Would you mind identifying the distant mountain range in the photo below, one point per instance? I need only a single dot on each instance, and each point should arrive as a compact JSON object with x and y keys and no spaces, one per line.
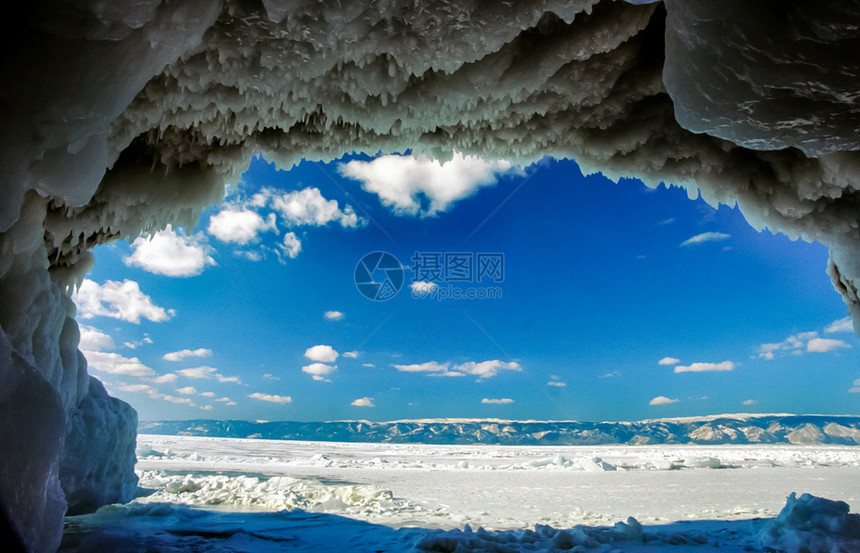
{"x":711,"y":430}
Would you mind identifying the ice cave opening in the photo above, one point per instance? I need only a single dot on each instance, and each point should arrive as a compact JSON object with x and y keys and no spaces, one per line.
{"x":123,"y":118}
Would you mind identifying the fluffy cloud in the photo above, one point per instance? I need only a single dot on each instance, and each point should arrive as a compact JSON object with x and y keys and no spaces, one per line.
{"x":171,"y":254}
{"x":484,"y":369}
{"x":662,"y":400}
{"x":556,"y":384}
{"x":114,"y":363}
{"x":137,"y":343}
{"x":797,"y":344}
{"x":290,"y":245}
{"x":363,"y":402}
{"x":406,"y":184}
{"x":668,"y":361}
{"x":824,"y":345}
{"x":118,"y":300}
{"x":166,"y":378}
{"x":501,"y":401}
{"x":179,"y":400}
{"x":350,"y":354}
{"x":705,"y":237}
{"x":187,"y":391}
{"x":705,"y":367}
{"x":333,"y":315}
{"x":180,"y":355}
{"x":423,"y":287}
{"x":207,"y":394}
{"x":271,"y":398}
{"x":321,"y":353}
{"x":307,"y":207}
{"x":198,"y":372}
{"x":428,"y":367}
{"x":749,"y":402}
{"x":319,"y":371}
{"x":240,"y":226}
{"x":137,"y":388}
{"x":93,"y":339}
{"x":842,"y":325}
{"x":855,"y":389}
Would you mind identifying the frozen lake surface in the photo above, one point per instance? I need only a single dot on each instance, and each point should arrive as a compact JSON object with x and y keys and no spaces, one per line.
{"x":229,"y":494}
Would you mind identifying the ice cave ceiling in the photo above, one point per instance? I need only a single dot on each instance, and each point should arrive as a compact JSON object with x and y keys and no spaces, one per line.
{"x":122,"y":117}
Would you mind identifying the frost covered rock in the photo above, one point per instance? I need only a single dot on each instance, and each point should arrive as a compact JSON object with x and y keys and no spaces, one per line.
{"x":121,"y":118}
{"x":99,"y":455}
{"x":812,"y":525}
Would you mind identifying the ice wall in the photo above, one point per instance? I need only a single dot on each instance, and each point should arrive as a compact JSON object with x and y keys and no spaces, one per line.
{"x":122,"y":117}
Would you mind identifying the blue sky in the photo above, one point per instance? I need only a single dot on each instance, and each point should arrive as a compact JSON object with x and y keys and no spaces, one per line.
{"x":617,"y":302}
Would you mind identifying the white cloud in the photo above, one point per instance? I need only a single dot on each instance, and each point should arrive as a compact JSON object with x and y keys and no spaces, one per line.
{"x":250,"y":255}
{"x":187,"y":391}
{"x":662,"y":400}
{"x":369,"y":365}
{"x":222,"y":379}
{"x":180,"y":400}
{"x":136,"y":388}
{"x":793,"y":344}
{"x":225,"y":399}
{"x":180,"y":355}
{"x":363,"y":402}
{"x":321,"y":353}
{"x":351,"y":354}
{"x":319,"y":371}
{"x":240,"y":226}
{"x":114,"y":363}
{"x":487,"y":369}
{"x":855,"y":388}
{"x":198,"y":372}
{"x":290,"y":245}
{"x":556,"y":383}
{"x":668,"y":361}
{"x":612,"y":374}
{"x":842,"y":325}
{"x":93,"y":339}
{"x":307,"y":207}
{"x":270,"y":376}
{"x":749,"y":402}
{"x":333,"y":315}
{"x":171,"y":254}
{"x":207,"y":407}
{"x":118,"y":300}
{"x":705,"y":367}
{"x":824,"y":345}
{"x":428,"y":367}
{"x":137,"y":343}
{"x":501,"y":401}
{"x":166,"y":378}
{"x":483,"y":370}
{"x":207,"y":394}
{"x":705,"y":237}
{"x":423,"y":287}
{"x":421,"y":186}
{"x":272,"y":398}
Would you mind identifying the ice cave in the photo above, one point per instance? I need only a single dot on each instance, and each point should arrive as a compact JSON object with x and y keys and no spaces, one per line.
{"x":123,"y":117}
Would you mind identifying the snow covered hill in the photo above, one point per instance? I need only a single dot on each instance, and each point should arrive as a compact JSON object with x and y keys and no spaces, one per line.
{"x":712,"y":430}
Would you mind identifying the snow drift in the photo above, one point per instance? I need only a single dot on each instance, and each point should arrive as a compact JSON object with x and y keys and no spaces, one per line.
{"x":123,"y":117}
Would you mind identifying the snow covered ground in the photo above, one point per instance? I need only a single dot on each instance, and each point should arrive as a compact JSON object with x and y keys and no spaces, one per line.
{"x":229,"y":494}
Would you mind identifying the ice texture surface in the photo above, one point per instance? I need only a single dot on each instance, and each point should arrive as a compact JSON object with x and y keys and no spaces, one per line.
{"x":120,"y":118}
{"x":227,"y":494}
